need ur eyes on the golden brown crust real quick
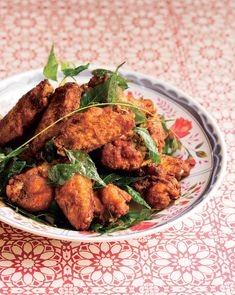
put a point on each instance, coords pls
(97, 126)
(177, 167)
(30, 190)
(25, 113)
(115, 201)
(75, 198)
(64, 100)
(146, 105)
(156, 131)
(122, 154)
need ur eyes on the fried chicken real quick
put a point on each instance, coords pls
(111, 203)
(177, 167)
(25, 113)
(156, 131)
(30, 190)
(123, 154)
(97, 126)
(159, 186)
(170, 165)
(75, 198)
(64, 100)
(146, 105)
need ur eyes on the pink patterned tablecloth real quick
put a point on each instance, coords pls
(191, 44)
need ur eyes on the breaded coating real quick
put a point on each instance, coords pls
(159, 186)
(123, 154)
(75, 198)
(97, 126)
(25, 113)
(100, 211)
(115, 201)
(160, 194)
(156, 131)
(177, 167)
(30, 190)
(146, 105)
(64, 100)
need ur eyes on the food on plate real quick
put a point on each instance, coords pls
(25, 114)
(30, 190)
(93, 128)
(75, 198)
(64, 100)
(98, 153)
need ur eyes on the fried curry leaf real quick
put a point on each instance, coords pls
(112, 94)
(97, 94)
(135, 196)
(121, 81)
(150, 144)
(71, 71)
(130, 219)
(14, 168)
(80, 163)
(4, 158)
(51, 68)
(117, 180)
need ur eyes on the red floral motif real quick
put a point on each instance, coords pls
(142, 226)
(181, 128)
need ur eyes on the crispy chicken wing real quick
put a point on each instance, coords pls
(159, 187)
(75, 198)
(90, 130)
(30, 190)
(25, 113)
(64, 100)
(156, 131)
(145, 105)
(123, 154)
(176, 167)
(111, 202)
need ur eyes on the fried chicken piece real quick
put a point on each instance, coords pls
(146, 105)
(123, 154)
(159, 187)
(111, 203)
(25, 113)
(160, 194)
(64, 100)
(30, 190)
(75, 198)
(156, 131)
(97, 126)
(177, 167)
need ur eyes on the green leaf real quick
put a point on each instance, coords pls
(139, 115)
(117, 180)
(71, 72)
(121, 81)
(130, 219)
(135, 196)
(112, 95)
(80, 163)
(15, 167)
(150, 144)
(97, 94)
(65, 64)
(4, 158)
(51, 68)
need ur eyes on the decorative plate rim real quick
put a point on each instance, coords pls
(102, 238)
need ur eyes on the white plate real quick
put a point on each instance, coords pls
(195, 127)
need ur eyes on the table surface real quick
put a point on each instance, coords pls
(191, 44)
